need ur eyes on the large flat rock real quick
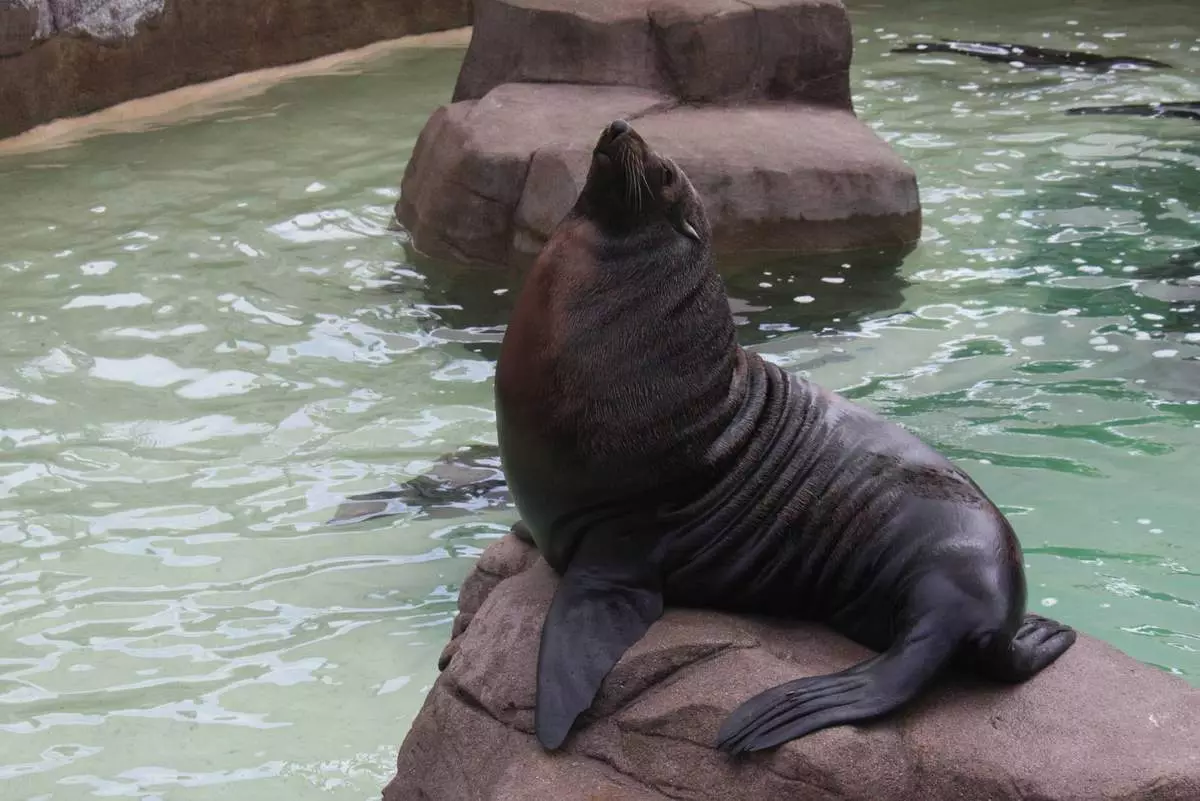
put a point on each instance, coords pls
(490, 179)
(775, 176)
(469, 167)
(1095, 725)
(699, 51)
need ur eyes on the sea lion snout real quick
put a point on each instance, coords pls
(629, 182)
(616, 135)
(618, 127)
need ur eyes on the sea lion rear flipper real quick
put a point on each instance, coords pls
(358, 508)
(868, 690)
(445, 490)
(609, 595)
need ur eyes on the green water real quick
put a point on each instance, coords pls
(211, 336)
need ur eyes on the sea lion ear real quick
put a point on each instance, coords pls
(680, 223)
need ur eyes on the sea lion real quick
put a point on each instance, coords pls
(655, 461)
(1181, 110)
(1029, 55)
(459, 483)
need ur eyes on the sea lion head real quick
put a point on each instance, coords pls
(629, 186)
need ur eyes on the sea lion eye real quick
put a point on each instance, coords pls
(667, 175)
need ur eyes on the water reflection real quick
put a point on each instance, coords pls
(819, 293)
(167, 468)
(826, 292)
(471, 304)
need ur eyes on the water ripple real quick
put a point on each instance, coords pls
(217, 337)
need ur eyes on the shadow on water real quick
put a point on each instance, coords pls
(768, 294)
(823, 293)
(464, 302)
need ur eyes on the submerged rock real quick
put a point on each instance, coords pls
(1095, 725)
(61, 58)
(752, 98)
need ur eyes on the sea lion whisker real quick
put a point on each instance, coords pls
(643, 180)
(629, 164)
(624, 176)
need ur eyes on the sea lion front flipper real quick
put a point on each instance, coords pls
(609, 595)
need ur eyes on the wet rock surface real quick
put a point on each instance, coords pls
(1095, 725)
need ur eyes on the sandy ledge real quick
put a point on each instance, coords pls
(201, 99)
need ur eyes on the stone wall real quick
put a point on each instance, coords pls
(61, 58)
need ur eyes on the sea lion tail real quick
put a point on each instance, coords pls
(608, 597)
(864, 691)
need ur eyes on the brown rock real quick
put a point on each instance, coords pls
(1095, 725)
(555, 179)
(103, 52)
(507, 557)
(19, 25)
(773, 177)
(752, 97)
(462, 185)
(766, 49)
(490, 179)
(103, 19)
(696, 50)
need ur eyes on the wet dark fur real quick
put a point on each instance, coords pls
(459, 483)
(1183, 110)
(655, 461)
(1029, 55)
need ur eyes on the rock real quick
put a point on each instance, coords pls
(765, 49)
(489, 180)
(105, 20)
(468, 169)
(20, 24)
(1095, 725)
(773, 176)
(752, 97)
(95, 53)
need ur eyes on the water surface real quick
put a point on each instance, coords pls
(211, 336)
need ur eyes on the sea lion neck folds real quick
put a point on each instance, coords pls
(585, 408)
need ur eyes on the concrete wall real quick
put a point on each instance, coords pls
(61, 58)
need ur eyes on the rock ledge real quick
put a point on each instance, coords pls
(1096, 725)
